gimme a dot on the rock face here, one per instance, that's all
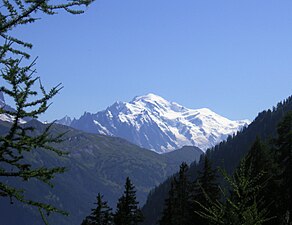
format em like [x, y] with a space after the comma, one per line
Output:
[157, 124]
[65, 121]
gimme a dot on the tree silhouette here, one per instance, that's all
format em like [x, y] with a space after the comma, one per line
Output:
[284, 150]
[101, 215]
[128, 212]
[177, 208]
[205, 190]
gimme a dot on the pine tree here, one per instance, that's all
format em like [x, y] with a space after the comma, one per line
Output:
[207, 182]
[101, 215]
[128, 212]
[168, 211]
[205, 190]
[29, 97]
[177, 209]
[244, 206]
[241, 206]
[181, 196]
[262, 159]
[284, 150]
[259, 157]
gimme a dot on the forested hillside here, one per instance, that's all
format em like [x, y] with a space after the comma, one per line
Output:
[226, 155]
[95, 163]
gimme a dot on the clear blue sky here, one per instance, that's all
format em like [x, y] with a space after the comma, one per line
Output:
[234, 57]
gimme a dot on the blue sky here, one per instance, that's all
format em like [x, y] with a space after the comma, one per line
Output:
[234, 57]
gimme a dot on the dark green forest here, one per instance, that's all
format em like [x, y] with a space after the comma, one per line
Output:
[252, 177]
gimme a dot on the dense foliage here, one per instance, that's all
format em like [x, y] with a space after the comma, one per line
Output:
[184, 195]
[228, 154]
[248, 196]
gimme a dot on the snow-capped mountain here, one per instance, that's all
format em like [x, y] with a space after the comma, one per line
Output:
[157, 124]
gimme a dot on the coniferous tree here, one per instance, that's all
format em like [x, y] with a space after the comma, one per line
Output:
[18, 83]
[177, 208]
[259, 157]
[22, 139]
[207, 181]
[128, 211]
[101, 215]
[284, 150]
[262, 159]
[241, 206]
[168, 211]
[228, 154]
[181, 213]
[205, 190]
[244, 205]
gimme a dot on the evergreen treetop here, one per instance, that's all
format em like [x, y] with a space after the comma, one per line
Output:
[177, 208]
[128, 212]
[204, 191]
[101, 215]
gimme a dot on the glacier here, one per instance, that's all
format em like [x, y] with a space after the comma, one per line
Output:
[154, 123]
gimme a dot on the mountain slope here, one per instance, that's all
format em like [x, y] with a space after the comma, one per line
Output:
[225, 155]
[154, 123]
[96, 163]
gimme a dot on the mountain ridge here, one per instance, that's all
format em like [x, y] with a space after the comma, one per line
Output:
[154, 123]
[95, 163]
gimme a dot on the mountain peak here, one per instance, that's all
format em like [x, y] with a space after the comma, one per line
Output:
[154, 123]
[150, 98]
[156, 103]
[66, 120]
